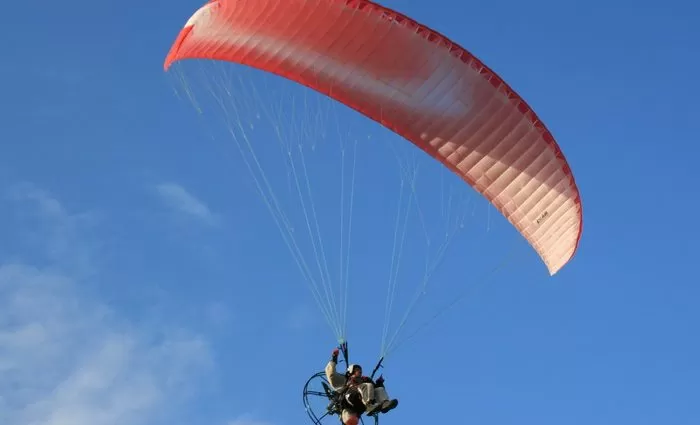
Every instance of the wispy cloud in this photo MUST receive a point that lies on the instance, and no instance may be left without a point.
(178, 198)
(248, 420)
(67, 358)
(54, 229)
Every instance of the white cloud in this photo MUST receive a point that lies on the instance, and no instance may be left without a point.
(55, 230)
(178, 198)
(247, 420)
(68, 359)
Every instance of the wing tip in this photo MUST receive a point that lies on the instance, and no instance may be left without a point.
(202, 14)
(174, 53)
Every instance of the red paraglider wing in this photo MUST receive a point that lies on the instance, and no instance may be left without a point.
(415, 82)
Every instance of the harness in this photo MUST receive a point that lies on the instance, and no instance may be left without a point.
(347, 398)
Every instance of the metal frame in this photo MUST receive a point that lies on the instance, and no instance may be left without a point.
(328, 395)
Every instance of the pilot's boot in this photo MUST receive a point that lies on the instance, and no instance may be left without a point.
(387, 405)
(373, 407)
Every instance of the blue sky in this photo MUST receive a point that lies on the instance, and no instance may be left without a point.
(142, 280)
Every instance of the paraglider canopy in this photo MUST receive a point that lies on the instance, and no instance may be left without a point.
(417, 83)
